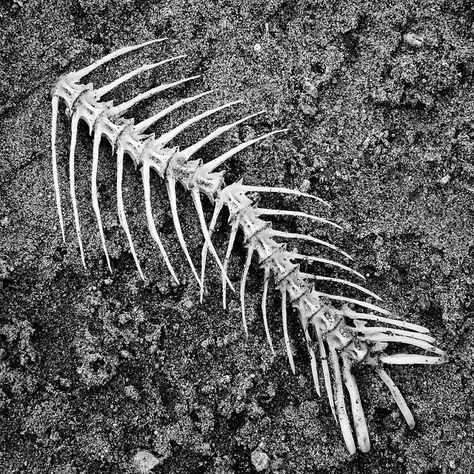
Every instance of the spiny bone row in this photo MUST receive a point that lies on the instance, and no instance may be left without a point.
(341, 336)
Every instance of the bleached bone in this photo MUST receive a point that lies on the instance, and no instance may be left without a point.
(280, 212)
(340, 345)
(242, 286)
(341, 336)
(290, 235)
(151, 221)
(286, 336)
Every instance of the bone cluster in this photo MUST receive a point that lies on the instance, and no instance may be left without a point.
(337, 335)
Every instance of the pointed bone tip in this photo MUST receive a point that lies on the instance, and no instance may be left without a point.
(364, 445)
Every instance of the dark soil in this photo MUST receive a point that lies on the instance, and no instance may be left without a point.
(379, 101)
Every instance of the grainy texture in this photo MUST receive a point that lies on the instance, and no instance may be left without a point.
(95, 368)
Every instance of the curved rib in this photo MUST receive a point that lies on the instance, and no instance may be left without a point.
(121, 210)
(168, 136)
(352, 300)
(348, 283)
(243, 282)
(121, 108)
(94, 192)
(264, 308)
(314, 367)
(212, 165)
(280, 212)
(126, 77)
(360, 424)
(54, 122)
(326, 373)
(143, 125)
(399, 332)
(188, 152)
(289, 235)
(394, 322)
(402, 339)
(115, 54)
(286, 336)
(271, 189)
(230, 246)
(340, 403)
(397, 396)
(171, 188)
(72, 184)
(301, 256)
(151, 221)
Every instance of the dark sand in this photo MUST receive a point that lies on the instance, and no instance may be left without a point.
(96, 367)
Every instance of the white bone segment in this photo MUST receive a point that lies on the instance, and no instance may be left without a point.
(340, 402)
(309, 258)
(266, 279)
(243, 283)
(151, 221)
(94, 192)
(314, 367)
(271, 189)
(121, 209)
(230, 246)
(280, 212)
(188, 152)
(122, 108)
(402, 359)
(348, 283)
(171, 188)
(126, 77)
(360, 424)
(54, 122)
(284, 316)
(402, 339)
(397, 396)
(212, 165)
(168, 136)
(394, 322)
(352, 300)
(115, 54)
(326, 373)
(197, 203)
(145, 124)
(72, 184)
(212, 225)
(289, 235)
(400, 332)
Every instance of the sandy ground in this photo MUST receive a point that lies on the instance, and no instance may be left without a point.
(95, 368)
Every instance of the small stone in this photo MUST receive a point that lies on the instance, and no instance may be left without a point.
(452, 464)
(145, 461)
(132, 392)
(260, 461)
(445, 179)
(413, 40)
(257, 48)
(305, 185)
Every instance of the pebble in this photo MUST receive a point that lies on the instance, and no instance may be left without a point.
(413, 40)
(257, 48)
(145, 461)
(260, 460)
(445, 179)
